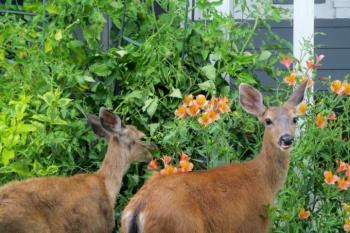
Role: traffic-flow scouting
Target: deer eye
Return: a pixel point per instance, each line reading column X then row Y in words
column 295, row 120
column 268, row 121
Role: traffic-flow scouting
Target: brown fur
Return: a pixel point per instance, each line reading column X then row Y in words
column 82, row 203
column 227, row 199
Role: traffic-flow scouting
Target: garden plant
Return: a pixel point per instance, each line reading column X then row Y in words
column 53, row 68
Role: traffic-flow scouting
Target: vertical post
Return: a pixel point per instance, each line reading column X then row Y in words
column 303, row 29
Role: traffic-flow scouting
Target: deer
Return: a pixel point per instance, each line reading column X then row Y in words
column 231, row 198
column 82, row 203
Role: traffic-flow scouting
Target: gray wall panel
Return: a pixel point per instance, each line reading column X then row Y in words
column 335, row 45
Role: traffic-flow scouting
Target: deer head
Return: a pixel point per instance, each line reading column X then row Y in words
column 126, row 137
column 280, row 122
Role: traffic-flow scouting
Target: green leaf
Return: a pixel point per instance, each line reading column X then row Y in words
column 100, row 69
column 134, row 95
column 52, row 10
column 59, row 35
column 6, row 156
column 89, row 79
column 122, row 53
column 207, row 85
column 20, row 168
column 246, row 77
column 209, row 71
column 24, row 128
column 150, row 106
column 264, row 55
column 48, row 46
column 152, row 128
column 176, row 93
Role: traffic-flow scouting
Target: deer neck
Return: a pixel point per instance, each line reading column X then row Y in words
column 113, row 167
column 274, row 164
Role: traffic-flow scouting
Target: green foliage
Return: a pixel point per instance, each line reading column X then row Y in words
column 316, row 151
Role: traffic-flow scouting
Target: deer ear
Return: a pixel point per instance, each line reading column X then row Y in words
column 109, row 121
column 96, row 126
column 298, row 95
column 251, row 100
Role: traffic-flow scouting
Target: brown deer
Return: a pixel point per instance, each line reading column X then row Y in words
column 228, row 199
column 82, row 203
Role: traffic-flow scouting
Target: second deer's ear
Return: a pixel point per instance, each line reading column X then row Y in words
column 251, row 100
column 109, row 121
column 298, row 95
column 96, row 126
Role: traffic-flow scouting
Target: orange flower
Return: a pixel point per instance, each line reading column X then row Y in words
column 166, row 160
column 304, row 214
column 223, row 105
column 342, row 166
column 347, row 172
column 153, row 165
column 321, row 122
column 181, row 111
column 204, row 119
column 337, row 87
column 187, row 100
column 332, row 116
column 310, row 82
column 184, row 157
column 287, row 61
column 185, row 164
column 291, row 79
column 213, row 115
column 201, row 101
column 192, row 110
column 343, row 184
column 347, row 225
column 302, row 108
column 168, row 170
column 310, row 64
column 329, row 178
column 213, row 102
column 346, row 87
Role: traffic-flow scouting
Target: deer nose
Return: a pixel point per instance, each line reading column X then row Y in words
column 286, row 140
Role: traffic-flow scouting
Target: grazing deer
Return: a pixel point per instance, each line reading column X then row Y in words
column 228, row 199
column 82, row 203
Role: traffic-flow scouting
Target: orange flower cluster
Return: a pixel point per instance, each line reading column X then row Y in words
column 292, row 78
column 304, row 214
column 343, row 182
column 310, row 64
column 184, row 165
column 209, row 110
column 322, row 121
column 340, row 88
